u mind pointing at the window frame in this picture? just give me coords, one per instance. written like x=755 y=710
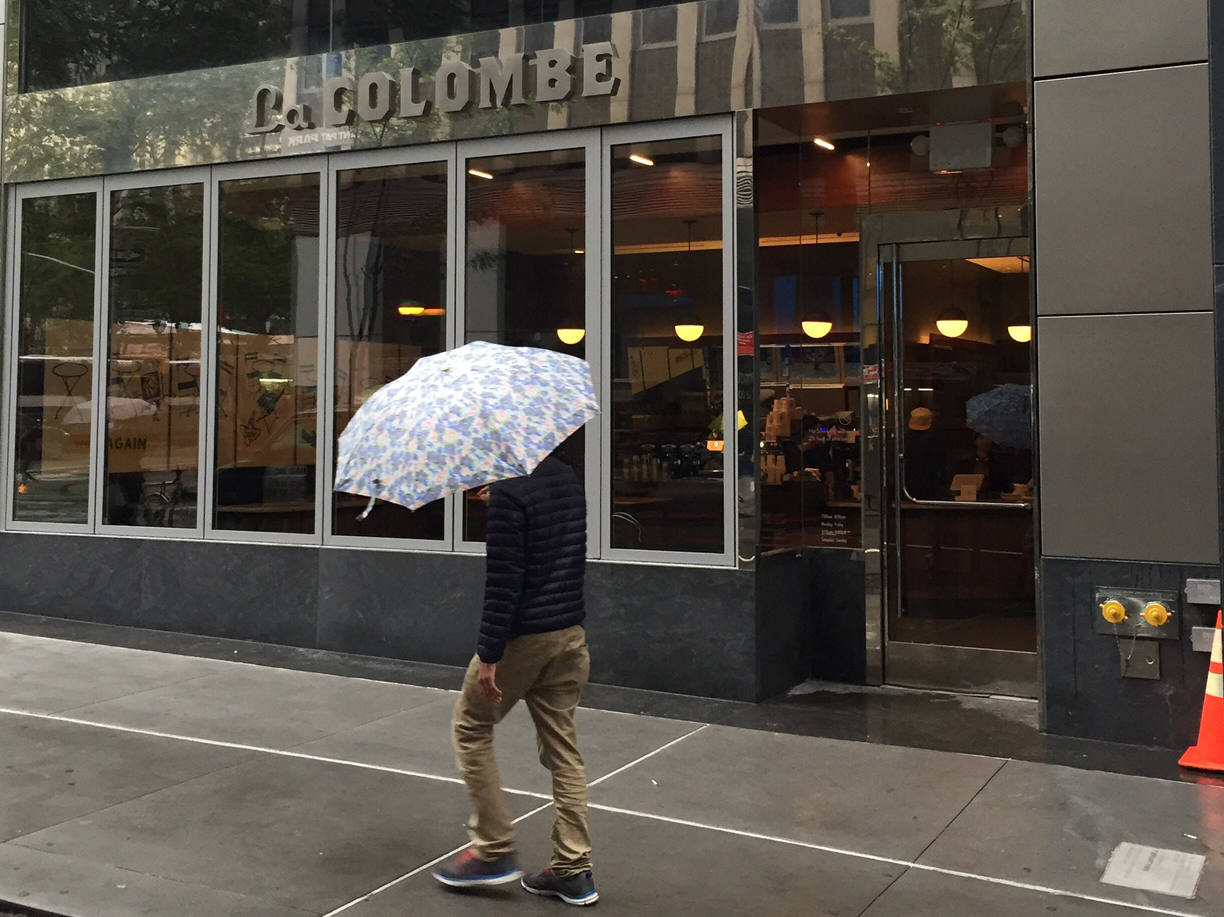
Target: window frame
x=588 y=140
x=18 y=196
x=277 y=168
x=446 y=154
x=596 y=143
x=138 y=182
x=682 y=129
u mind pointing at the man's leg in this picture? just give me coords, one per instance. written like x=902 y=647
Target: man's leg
x=552 y=701
x=472 y=733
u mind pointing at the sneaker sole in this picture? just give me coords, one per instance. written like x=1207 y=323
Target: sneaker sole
x=549 y=893
x=503 y=879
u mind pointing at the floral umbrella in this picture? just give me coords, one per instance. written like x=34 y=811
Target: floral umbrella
x=462 y=419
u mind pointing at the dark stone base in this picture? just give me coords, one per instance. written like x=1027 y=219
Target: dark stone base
x=682 y=630
x=1085 y=693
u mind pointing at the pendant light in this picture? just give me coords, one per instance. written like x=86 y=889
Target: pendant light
x=571 y=332
x=952 y=322
x=689 y=327
x=815 y=324
x=1020 y=333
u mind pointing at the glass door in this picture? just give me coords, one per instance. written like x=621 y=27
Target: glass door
x=957 y=470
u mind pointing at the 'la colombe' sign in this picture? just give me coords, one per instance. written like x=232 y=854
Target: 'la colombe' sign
x=456 y=86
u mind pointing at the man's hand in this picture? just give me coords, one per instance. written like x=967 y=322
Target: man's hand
x=488 y=682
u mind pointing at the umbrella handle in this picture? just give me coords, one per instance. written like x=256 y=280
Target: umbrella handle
x=365 y=512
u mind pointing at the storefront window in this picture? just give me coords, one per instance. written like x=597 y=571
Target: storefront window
x=525 y=274
x=55 y=329
x=152 y=444
x=267 y=354
x=391 y=255
x=670 y=440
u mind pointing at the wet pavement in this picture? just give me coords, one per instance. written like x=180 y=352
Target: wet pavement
x=149 y=773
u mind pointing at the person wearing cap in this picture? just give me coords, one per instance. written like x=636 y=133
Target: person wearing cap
x=926 y=464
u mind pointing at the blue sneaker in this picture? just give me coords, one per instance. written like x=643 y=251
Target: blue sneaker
x=466 y=870
x=577 y=889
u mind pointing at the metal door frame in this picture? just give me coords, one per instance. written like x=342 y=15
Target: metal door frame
x=886 y=239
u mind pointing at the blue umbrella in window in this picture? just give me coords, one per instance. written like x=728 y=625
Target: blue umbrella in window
x=1005 y=414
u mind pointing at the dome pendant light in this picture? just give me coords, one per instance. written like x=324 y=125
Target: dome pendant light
x=952 y=323
x=817 y=325
x=1020 y=333
x=689 y=328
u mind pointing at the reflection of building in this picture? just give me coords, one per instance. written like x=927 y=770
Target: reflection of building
x=821 y=217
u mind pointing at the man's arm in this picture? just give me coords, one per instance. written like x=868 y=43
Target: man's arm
x=505 y=571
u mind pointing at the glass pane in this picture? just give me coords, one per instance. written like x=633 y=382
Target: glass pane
x=78 y=43
x=55 y=358
x=526 y=265
x=267 y=354
x=152 y=446
x=390 y=310
x=668 y=429
x=966 y=571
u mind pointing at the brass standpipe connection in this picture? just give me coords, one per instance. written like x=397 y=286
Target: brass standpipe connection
x=1113 y=611
x=1156 y=614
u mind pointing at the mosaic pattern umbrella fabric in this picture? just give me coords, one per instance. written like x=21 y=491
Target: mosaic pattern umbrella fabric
x=1005 y=414
x=462 y=419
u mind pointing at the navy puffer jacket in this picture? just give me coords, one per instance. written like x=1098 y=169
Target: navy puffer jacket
x=536 y=557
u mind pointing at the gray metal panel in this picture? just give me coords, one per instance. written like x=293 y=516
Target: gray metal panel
x=1127 y=420
x=1123 y=193
x=1085 y=36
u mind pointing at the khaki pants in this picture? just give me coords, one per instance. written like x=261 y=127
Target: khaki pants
x=548 y=672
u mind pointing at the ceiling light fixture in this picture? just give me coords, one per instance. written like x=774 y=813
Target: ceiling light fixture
x=411 y=308
x=817 y=325
x=689 y=327
x=571 y=336
x=479 y=173
x=952 y=323
x=824 y=144
x=641 y=160
x=1020 y=333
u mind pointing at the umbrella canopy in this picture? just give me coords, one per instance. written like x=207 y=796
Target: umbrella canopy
x=117 y=408
x=1005 y=414
x=462 y=419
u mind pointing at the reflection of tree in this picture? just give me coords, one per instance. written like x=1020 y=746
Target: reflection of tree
x=57 y=264
x=157 y=237
x=76 y=42
x=940 y=40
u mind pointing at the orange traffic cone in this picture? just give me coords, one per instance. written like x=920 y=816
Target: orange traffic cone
x=1208 y=754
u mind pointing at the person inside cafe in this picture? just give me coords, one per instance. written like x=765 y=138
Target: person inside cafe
x=986 y=462
x=926 y=462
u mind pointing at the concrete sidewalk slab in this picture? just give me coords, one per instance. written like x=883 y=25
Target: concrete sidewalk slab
x=73 y=886
x=51 y=676
x=645 y=867
x=53 y=772
x=1062 y=824
x=249 y=705
x=889 y=801
x=420 y=740
x=926 y=894
x=295 y=833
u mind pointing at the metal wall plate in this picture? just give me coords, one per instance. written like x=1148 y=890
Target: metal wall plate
x=1203 y=592
x=1140 y=659
x=1201 y=639
x=1135 y=600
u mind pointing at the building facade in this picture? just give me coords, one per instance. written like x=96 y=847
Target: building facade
x=900 y=314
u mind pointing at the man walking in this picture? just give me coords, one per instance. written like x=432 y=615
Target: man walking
x=532 y=647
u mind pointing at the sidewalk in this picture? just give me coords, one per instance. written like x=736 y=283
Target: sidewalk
x=147 y=783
